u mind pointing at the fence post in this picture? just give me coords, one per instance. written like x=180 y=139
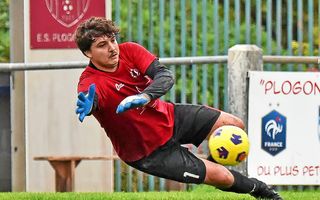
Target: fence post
x=241 y=59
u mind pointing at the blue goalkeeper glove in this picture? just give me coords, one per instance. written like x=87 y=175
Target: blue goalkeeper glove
x=133 y=102
x=85 y=102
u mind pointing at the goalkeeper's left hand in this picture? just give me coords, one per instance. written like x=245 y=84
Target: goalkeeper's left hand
x=133 y=102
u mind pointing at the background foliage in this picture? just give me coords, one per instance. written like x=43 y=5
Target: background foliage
x=4 y=31
x=163 y=37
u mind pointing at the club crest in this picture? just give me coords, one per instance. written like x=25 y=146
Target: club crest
x=67 y=12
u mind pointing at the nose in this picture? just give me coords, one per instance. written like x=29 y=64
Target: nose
x=112 y=46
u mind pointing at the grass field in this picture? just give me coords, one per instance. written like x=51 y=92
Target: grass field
x=202 y=192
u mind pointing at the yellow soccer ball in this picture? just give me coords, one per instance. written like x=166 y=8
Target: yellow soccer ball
x=229 y=145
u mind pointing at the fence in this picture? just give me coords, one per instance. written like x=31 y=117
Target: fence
x=216 y=25
x=172 y=28
x=126 y=178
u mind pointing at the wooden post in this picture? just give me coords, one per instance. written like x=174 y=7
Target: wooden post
x=241 y=59
x=65 y=171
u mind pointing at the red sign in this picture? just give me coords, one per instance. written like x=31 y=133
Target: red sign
x=53 y=22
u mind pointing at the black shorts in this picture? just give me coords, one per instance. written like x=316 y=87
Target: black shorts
x=172 y=161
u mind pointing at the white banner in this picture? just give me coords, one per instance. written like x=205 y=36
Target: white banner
x=284 y=127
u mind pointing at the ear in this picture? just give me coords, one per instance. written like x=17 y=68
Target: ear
x=88 y=54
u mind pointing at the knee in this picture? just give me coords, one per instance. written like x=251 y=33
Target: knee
x=238 y=122
x=228 y=119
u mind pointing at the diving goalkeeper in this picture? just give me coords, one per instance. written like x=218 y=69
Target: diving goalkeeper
x=121 y=87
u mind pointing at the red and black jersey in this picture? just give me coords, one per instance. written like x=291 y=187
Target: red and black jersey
x=139 y=131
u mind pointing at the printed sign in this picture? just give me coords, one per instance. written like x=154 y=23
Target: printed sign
x=319 y=124
x=53 y=22
x=284 y=127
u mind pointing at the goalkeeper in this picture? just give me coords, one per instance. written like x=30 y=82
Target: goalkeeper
x=121 y=87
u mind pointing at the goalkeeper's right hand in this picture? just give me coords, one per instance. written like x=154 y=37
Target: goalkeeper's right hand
x=85 y=102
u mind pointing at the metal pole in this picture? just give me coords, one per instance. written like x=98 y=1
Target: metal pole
x=8 y=67
x=292 y=59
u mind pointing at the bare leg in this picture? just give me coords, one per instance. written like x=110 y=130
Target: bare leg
x=217 y=175
x=227 y=119
x=228 y=180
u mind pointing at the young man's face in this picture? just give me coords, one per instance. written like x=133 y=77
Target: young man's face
x=104 y=53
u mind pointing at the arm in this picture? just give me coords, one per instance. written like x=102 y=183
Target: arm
x=162 y=82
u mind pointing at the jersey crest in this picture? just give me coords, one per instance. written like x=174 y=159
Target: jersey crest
x=134 y=73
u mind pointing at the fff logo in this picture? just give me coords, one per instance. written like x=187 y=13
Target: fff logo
x=273 y=129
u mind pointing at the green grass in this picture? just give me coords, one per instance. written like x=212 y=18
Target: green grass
x=202 y=192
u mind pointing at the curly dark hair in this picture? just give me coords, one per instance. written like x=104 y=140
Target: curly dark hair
x=93 y=27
